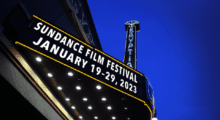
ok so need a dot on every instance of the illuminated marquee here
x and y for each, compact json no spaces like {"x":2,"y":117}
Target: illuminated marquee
{"x":52,"y":42}
{"x":130,"y":45}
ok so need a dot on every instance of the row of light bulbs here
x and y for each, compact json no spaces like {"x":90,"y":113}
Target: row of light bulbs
{"x":79,"y":88}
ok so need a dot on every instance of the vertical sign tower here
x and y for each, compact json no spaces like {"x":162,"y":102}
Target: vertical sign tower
{"x":130,"y":57}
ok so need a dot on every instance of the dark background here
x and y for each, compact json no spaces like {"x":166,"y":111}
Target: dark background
{"x":178,"y":49}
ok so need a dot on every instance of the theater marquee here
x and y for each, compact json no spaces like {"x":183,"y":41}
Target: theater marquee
{"x":55,"y":44}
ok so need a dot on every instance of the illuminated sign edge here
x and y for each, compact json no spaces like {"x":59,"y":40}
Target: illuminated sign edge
{"x":16,"y":42}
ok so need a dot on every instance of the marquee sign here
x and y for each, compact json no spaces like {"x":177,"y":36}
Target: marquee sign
{"x":55,"y":44}
{"x":130,"y":47}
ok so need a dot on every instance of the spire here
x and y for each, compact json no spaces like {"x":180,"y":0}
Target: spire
{"x":130,"y":57}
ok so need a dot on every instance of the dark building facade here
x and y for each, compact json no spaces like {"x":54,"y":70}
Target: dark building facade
{"x":53,"y":66}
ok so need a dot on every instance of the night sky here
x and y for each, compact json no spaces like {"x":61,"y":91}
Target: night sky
{"x":178,"y":49}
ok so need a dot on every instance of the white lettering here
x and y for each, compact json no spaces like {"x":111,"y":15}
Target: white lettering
{"x":63,"y":40}
{"x":131,"y":76}
{"x":131,"y":39}
{"x":78,"y":60}
{"x":87,"y":52}
{"x":57,"y":37}
{"x":94,"y":57}
{"x":127,"y":73}
{"x":120,"y":69}
{"x":38,"y":26}
{"x":130,"y":45}
{"x":80,"y":49}
{"x":101,"y":60}
{"x":116,"y":68}
{"x":84,"y":63}
{"x":43,"y":30}
{"x":38,"y":42}
{"x":45,"y":45}
{"x":129,"y":64}
{"x":130,"y":50}
{"x":51,"y":33}
{"x":108,"y":63}
{"x":112,"y":65}
{"x":135,"y":80}
{"x":70,"y":43}
{"x":54,"y":49}
{"x":123,"y":72}
{"x":74,"y":46}
{"x":131,"y":35}
{"x":91,"y":55}
{"x":61,"y":52}
{"x":70,"y":57}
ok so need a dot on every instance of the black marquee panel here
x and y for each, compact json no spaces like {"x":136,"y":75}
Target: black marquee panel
{"x":50,"y":41}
